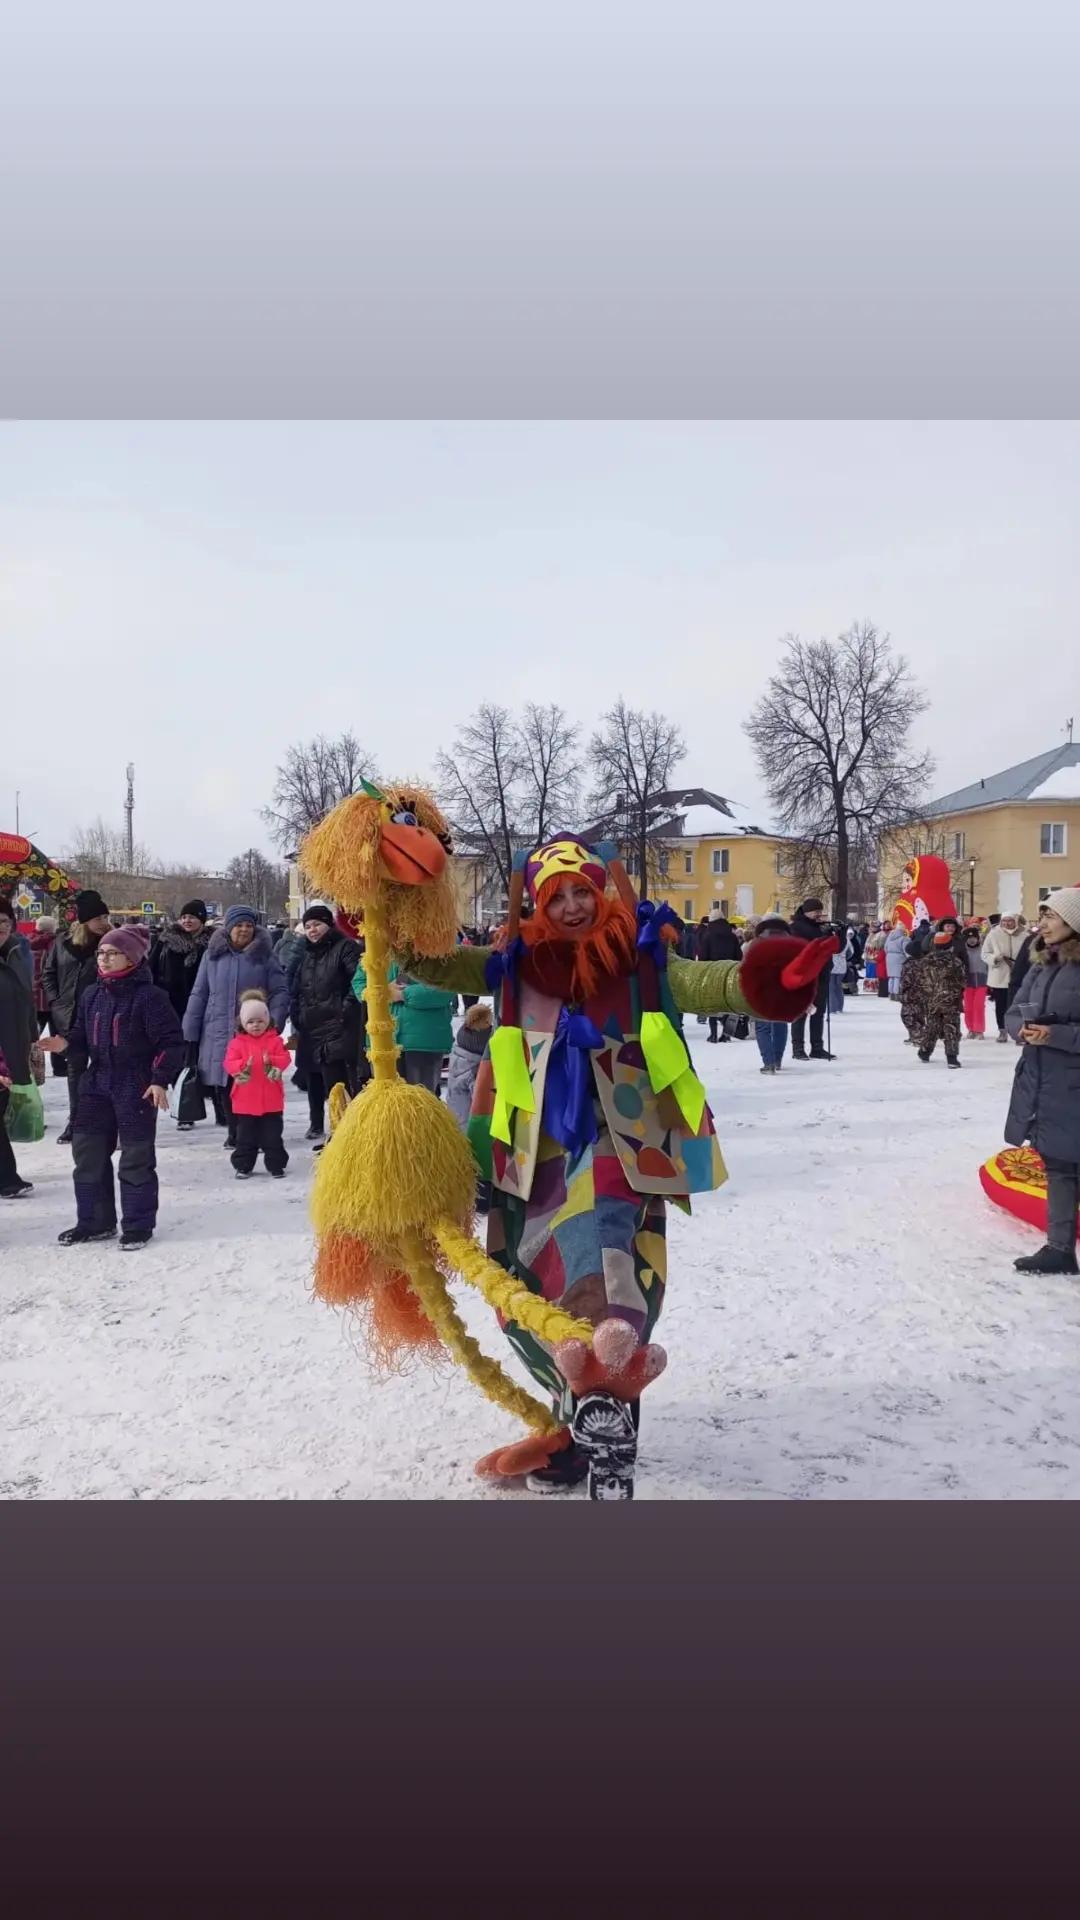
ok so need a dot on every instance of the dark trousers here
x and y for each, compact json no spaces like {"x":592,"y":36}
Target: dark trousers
{"x":1062,"y":1203}
{"x":1000,"y":998}
{"x":883,"y":985}
{"x":59,"y":1060}
{"x":422,"y":1070}
{"x":332,"y":1073}
{"x":223,"y":1113}
{"x":817,"y":1028}
{"x":74,"y":1075}
{"x":257,"y":1132}
{"x":95,"y":1194}
{"x":9,"y":1172}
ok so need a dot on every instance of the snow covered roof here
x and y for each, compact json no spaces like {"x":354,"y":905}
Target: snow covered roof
{"x":1063,"y":784}
{"x":1024,"y":782}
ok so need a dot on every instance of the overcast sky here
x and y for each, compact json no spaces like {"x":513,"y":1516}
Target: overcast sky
{"x":194,"y":596}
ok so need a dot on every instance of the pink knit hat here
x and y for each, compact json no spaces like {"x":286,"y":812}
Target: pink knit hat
{"x":132,"y":942}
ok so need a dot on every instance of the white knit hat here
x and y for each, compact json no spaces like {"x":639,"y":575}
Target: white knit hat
{"x":1066,"y":903}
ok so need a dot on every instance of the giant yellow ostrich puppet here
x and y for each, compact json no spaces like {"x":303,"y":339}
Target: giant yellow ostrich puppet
{"x":394,"y":1192}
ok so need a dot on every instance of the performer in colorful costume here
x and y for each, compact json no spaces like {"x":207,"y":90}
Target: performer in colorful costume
{"x":927,"y":894}
{"x":587,"y":1117}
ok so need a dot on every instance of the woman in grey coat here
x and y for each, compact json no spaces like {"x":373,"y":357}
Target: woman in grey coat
{"x":1045,"y":1105}
{"x":895,"y":954}
{"x":240,"y":955}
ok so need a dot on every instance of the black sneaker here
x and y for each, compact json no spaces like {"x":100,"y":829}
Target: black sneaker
{"x":952,"y":1061}
{"x":133,"y":1237}
{"x":16,"y":1190}
{"x":74,"y":1236}
{"x":564,"y":1470}
{"x":244,"y":1173}
{"x":1048,"y":1260}
{"x":923,"y":1055}
{"x":799,"y":1053}
{"x":819,"y":1053}
{"x":64,"y":1139}
{"x":603,"y":1430}
{"x":277,"y":1173}
{"x":314,"y":1133}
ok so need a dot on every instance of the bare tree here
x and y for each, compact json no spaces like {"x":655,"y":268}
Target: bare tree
{"x":479,"y":784}
{"x":634,"y":755}
{"x":831,"y":740}
{"x":311,"y":780}
{"x":98,"y":850}
{"x":551,"y":775}
{"x":258,"y":881}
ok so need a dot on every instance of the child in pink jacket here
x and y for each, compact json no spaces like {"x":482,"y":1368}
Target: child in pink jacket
{"x":256,"y":1059}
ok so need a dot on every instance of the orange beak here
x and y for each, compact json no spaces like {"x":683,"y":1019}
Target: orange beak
{"x":411,"y":855}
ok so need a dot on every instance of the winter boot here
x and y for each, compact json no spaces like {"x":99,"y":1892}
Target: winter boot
{"x":770,"y":1069}
{"x":819,"y":1053}
{"x":923,"y":1055}
{"x":603,"y":1431}
{"x":133,"y":1237}
{"x":64,"y":1139}
{"x":314,"y":1133}
{"x":75,"y":1236}
{"x":244,"y":1173}
{"x":951,"y":1060}
{"x":799,"y":1053}
{"x":17,"y":1190}
{"x":1048,"y":1260}
{"x":1003,"y":1039}
{"x":563,"y":1472}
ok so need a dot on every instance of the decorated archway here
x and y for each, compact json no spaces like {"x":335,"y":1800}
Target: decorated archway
{"x":33,"y":883}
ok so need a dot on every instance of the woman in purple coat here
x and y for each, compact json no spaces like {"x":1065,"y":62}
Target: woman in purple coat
{"x":128,"y":1040}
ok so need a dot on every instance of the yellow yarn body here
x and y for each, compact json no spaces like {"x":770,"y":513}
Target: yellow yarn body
{"x":398,"y":1179}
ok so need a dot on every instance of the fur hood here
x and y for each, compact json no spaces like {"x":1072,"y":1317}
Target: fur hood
{"x":174,"y":939}
{"x":1043,"y":956}
{"x":258,"y":949}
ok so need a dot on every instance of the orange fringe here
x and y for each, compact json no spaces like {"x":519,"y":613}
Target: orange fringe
{"x":349,"y":1275}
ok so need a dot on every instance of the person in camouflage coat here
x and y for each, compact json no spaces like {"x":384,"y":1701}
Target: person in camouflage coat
{"x":941,"y":979}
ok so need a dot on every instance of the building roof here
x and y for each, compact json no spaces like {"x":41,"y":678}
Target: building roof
{"x":1023,"y":782}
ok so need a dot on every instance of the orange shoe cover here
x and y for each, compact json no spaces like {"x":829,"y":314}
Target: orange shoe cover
{"x":524,"y":1456}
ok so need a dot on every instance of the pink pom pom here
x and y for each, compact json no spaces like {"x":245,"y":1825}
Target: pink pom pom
{"x":614,"y":1344}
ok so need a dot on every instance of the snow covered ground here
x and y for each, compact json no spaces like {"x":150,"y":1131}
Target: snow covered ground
{"x":843,"y":1319}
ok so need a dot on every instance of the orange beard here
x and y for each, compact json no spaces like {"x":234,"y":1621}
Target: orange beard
{"x":573,"y":968}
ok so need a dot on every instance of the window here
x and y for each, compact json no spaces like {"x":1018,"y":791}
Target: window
{"x":689,"y":858}
{"x":1044,"y":894}
{"x":721,"y":860}
{"x":1053,"y":838}
{"x":959,"y":846}
{"x":687,"y":909}
{"x":725,"y":908}
{"x":662,"y":862}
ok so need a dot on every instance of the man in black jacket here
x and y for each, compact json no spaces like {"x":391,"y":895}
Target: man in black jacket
{"x":717,"y":940}
{"x":809,"y":924}
{"x":327,"y":1016}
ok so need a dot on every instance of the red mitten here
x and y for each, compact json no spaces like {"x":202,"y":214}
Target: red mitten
{"x":778,"y":974}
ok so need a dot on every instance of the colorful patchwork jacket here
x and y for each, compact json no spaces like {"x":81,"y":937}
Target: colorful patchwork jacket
{"x":548,"y":1067}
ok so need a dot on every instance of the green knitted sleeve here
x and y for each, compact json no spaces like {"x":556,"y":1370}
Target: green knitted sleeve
{"x":706,"y":986}
{"x":459,"y":972}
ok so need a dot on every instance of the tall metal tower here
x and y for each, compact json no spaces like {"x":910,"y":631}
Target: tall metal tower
{"x":129,"y":809}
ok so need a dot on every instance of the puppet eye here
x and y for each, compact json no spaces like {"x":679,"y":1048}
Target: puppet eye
{"x":404,"y":818}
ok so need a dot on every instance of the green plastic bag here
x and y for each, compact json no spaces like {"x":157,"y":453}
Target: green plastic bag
{"x":25,"y":1116}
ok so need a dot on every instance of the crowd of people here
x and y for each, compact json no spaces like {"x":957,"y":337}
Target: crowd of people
{"x":195,"y":1013}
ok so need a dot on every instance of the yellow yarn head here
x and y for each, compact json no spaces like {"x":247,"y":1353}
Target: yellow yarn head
{"x":343,"y":855}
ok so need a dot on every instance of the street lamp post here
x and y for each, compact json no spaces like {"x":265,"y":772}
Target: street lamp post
{"x":971,"y":868}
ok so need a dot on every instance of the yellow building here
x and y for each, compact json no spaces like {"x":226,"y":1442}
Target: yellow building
{"x":712,"y":865}
{"x":1009,"y":839}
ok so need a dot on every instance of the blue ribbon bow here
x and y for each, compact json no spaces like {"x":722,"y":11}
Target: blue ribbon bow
{"x":568,"y":1090}
{"x":650,"y":920}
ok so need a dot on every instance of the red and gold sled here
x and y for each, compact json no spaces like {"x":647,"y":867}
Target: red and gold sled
{"x":1015,"y":1179}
